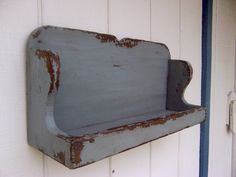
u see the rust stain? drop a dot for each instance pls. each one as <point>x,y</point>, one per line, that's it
<point>51,59</point>
<point>60,156</point>
<point>144,124</point>
<point>126,42</point>
<point>106,38</point>
<point>76,149</point>
<point>77,142</point>
<point>151,122</point>
<point>72,139</point>
<point>76,146</point>
<point>36,34</point>
<point>129,43</point>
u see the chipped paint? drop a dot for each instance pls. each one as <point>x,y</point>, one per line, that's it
<point>77,143</point>
<point>129,43</point>
<point>126,42</point>
<point>72,139</point>
<point>152,122</point>
<point>76,151</point>
<point>104,38</point>
<point>49,27</point>
<point>60,156</point>
<point>144,124</point>
<point>36,34</point>
<point>51,59</point>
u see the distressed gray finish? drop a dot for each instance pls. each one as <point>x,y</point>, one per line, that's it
<point>91,96</point>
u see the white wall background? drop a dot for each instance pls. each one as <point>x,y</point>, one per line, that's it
<point>176,23</point>
<point>223,66</point>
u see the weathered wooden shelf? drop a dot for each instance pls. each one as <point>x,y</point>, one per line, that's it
<point>91,96</point>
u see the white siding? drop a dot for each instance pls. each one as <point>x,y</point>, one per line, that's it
<point>165,28</point>
<point>17,158</point>
<point>82,14</point>
<point>190,49</point>
<point>176,23</point>
<point>223,58</point>
<point>130,18</point>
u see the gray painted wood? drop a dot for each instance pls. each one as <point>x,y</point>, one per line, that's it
<point>91,96</point>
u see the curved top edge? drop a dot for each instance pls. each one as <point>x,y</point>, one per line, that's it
<point>103,37</point>
<point>189,68</point>
<point>179,76</point>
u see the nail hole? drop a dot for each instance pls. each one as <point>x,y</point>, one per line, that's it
<point>115,65</point>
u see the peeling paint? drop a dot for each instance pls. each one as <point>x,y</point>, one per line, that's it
<point>60,156</point>
<point>126,42</point>
<point>77,143</point>
<point>129,43</point>
<point>144,124</point>
<point>72,139</point>
<point>36,34</point>
<point>51,59</point>
<point>151,122</point>
<point>106,38</point>
<point>76,149</point>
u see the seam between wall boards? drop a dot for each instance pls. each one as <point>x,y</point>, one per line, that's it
<point>110,166</point>
<point>150,36</point>
<point>108,16</point>
<point>108,31</point>
<point>39,13</point>
<point>179,134</point>
<point>150,20</point>
<point>180,28</point>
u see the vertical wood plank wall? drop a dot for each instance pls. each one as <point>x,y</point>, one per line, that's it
<point>223,59</point>
<point>176,23</point>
